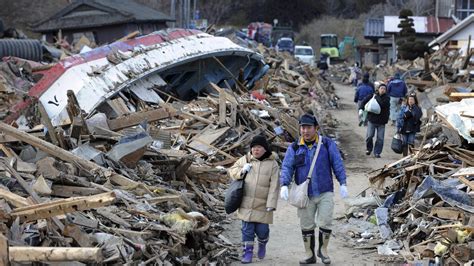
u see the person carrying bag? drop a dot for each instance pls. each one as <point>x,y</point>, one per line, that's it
<point>311,161</point>
<point>299,193</point>
<point>260,195</point>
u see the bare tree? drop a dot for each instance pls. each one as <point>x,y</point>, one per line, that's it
<point>393,7</point>
<point>421,7</point>
<point>215,10</point>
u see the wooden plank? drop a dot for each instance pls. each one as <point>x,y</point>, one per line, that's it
<point>63,154</point>
<point>58,207</point>
<point>13,199</point>
<point>82,238</point>
<point>202,141</point>
<point>108,214</point>
<point>119,106</point>
<point>420,83</point>
<point>72,191</point>
<point>468,183</point>
<point>3,250</point>
<point>8,152</point>
<point>47,123</point>
<point>38,254</point>
<point>458,96</point>
<point>198,118</point>
<point>446,213</point>
<point>129,36</point>
<point>136,118</point>
<point>222,108</point>
<point>216,149</point>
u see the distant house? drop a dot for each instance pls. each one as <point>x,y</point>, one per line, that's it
<point>461,9</point>
<point>458,36</point>
<point>383,33</point>
<point>102,21</point>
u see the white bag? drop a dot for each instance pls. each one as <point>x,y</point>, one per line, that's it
<point>373,106</point>
<point>299,193</point>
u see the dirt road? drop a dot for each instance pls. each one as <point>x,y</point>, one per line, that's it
<point>286,246</point>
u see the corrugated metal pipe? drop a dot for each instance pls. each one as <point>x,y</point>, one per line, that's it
<point>24,48</point>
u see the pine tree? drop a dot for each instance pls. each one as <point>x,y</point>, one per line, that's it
<point>408,47</point>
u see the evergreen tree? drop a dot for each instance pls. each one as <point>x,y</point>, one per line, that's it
<point>408,47</point>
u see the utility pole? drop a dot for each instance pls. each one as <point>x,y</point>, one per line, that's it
<point>173,13</point>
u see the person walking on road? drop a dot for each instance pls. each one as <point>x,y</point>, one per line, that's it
<point>297,162</point>
<point>377,121</point>
<point>362,91</point>
<point>259,201</point>
<point>408,122</point>
<point>397,89</point>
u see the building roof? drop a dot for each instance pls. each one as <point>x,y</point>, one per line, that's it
<point>422,25</point>
<point>448,34</point>
<point>373,28</point>
<point>96,13</point>
<point>377,27</point>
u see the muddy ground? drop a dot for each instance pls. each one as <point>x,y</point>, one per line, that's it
<point>285,246</point>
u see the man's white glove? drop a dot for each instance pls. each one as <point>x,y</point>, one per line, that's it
<point>343,191</point>
<point>246,168</point>
<point>284,192</point>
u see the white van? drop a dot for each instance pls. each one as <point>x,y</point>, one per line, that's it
<point>305,54</point>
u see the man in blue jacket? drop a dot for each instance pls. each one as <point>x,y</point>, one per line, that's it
<point>297,163</point>
<point>363,90</point>
<point>397,89</point>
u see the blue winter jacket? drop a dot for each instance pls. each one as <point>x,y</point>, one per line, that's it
<point>362,91</point>
<point>397,88</point>
<point>297,164</point>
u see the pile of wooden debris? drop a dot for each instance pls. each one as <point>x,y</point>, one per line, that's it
<point>421,208</point>
<point>145,184</point>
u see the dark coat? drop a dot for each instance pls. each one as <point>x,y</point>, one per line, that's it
<point>384,102</point>
<point>409,119</point>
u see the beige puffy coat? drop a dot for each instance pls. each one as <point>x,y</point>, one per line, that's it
<point>260,189</point>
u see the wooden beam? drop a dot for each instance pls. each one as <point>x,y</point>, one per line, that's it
<point>3,250</point>
<point>58,207</point>
<point>47,123</point>
<point>468,183</point>
<point>63,154</point>
<point>136,118</point>
<point>13,199</point>
<point>73,191</point>
<point>38,254</point>
<point>222,108</point>
<point>204,120</point>
<point>420,83</point>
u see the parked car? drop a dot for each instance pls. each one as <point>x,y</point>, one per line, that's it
<point>305,54</point>
<point>285,44</point>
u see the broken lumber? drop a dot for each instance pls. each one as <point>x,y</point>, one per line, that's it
<point>13,198</point>
<point>58,207</point>
<point>134,119</point>
<point>38,254</point>
<point>63,154</point>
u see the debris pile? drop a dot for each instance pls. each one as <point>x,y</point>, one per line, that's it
<point>421,208</point>
<point>129,165</point>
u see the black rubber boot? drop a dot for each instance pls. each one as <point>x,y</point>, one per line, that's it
<point>324,235</point>
<point>309,244</point>
<point>405,150</point>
